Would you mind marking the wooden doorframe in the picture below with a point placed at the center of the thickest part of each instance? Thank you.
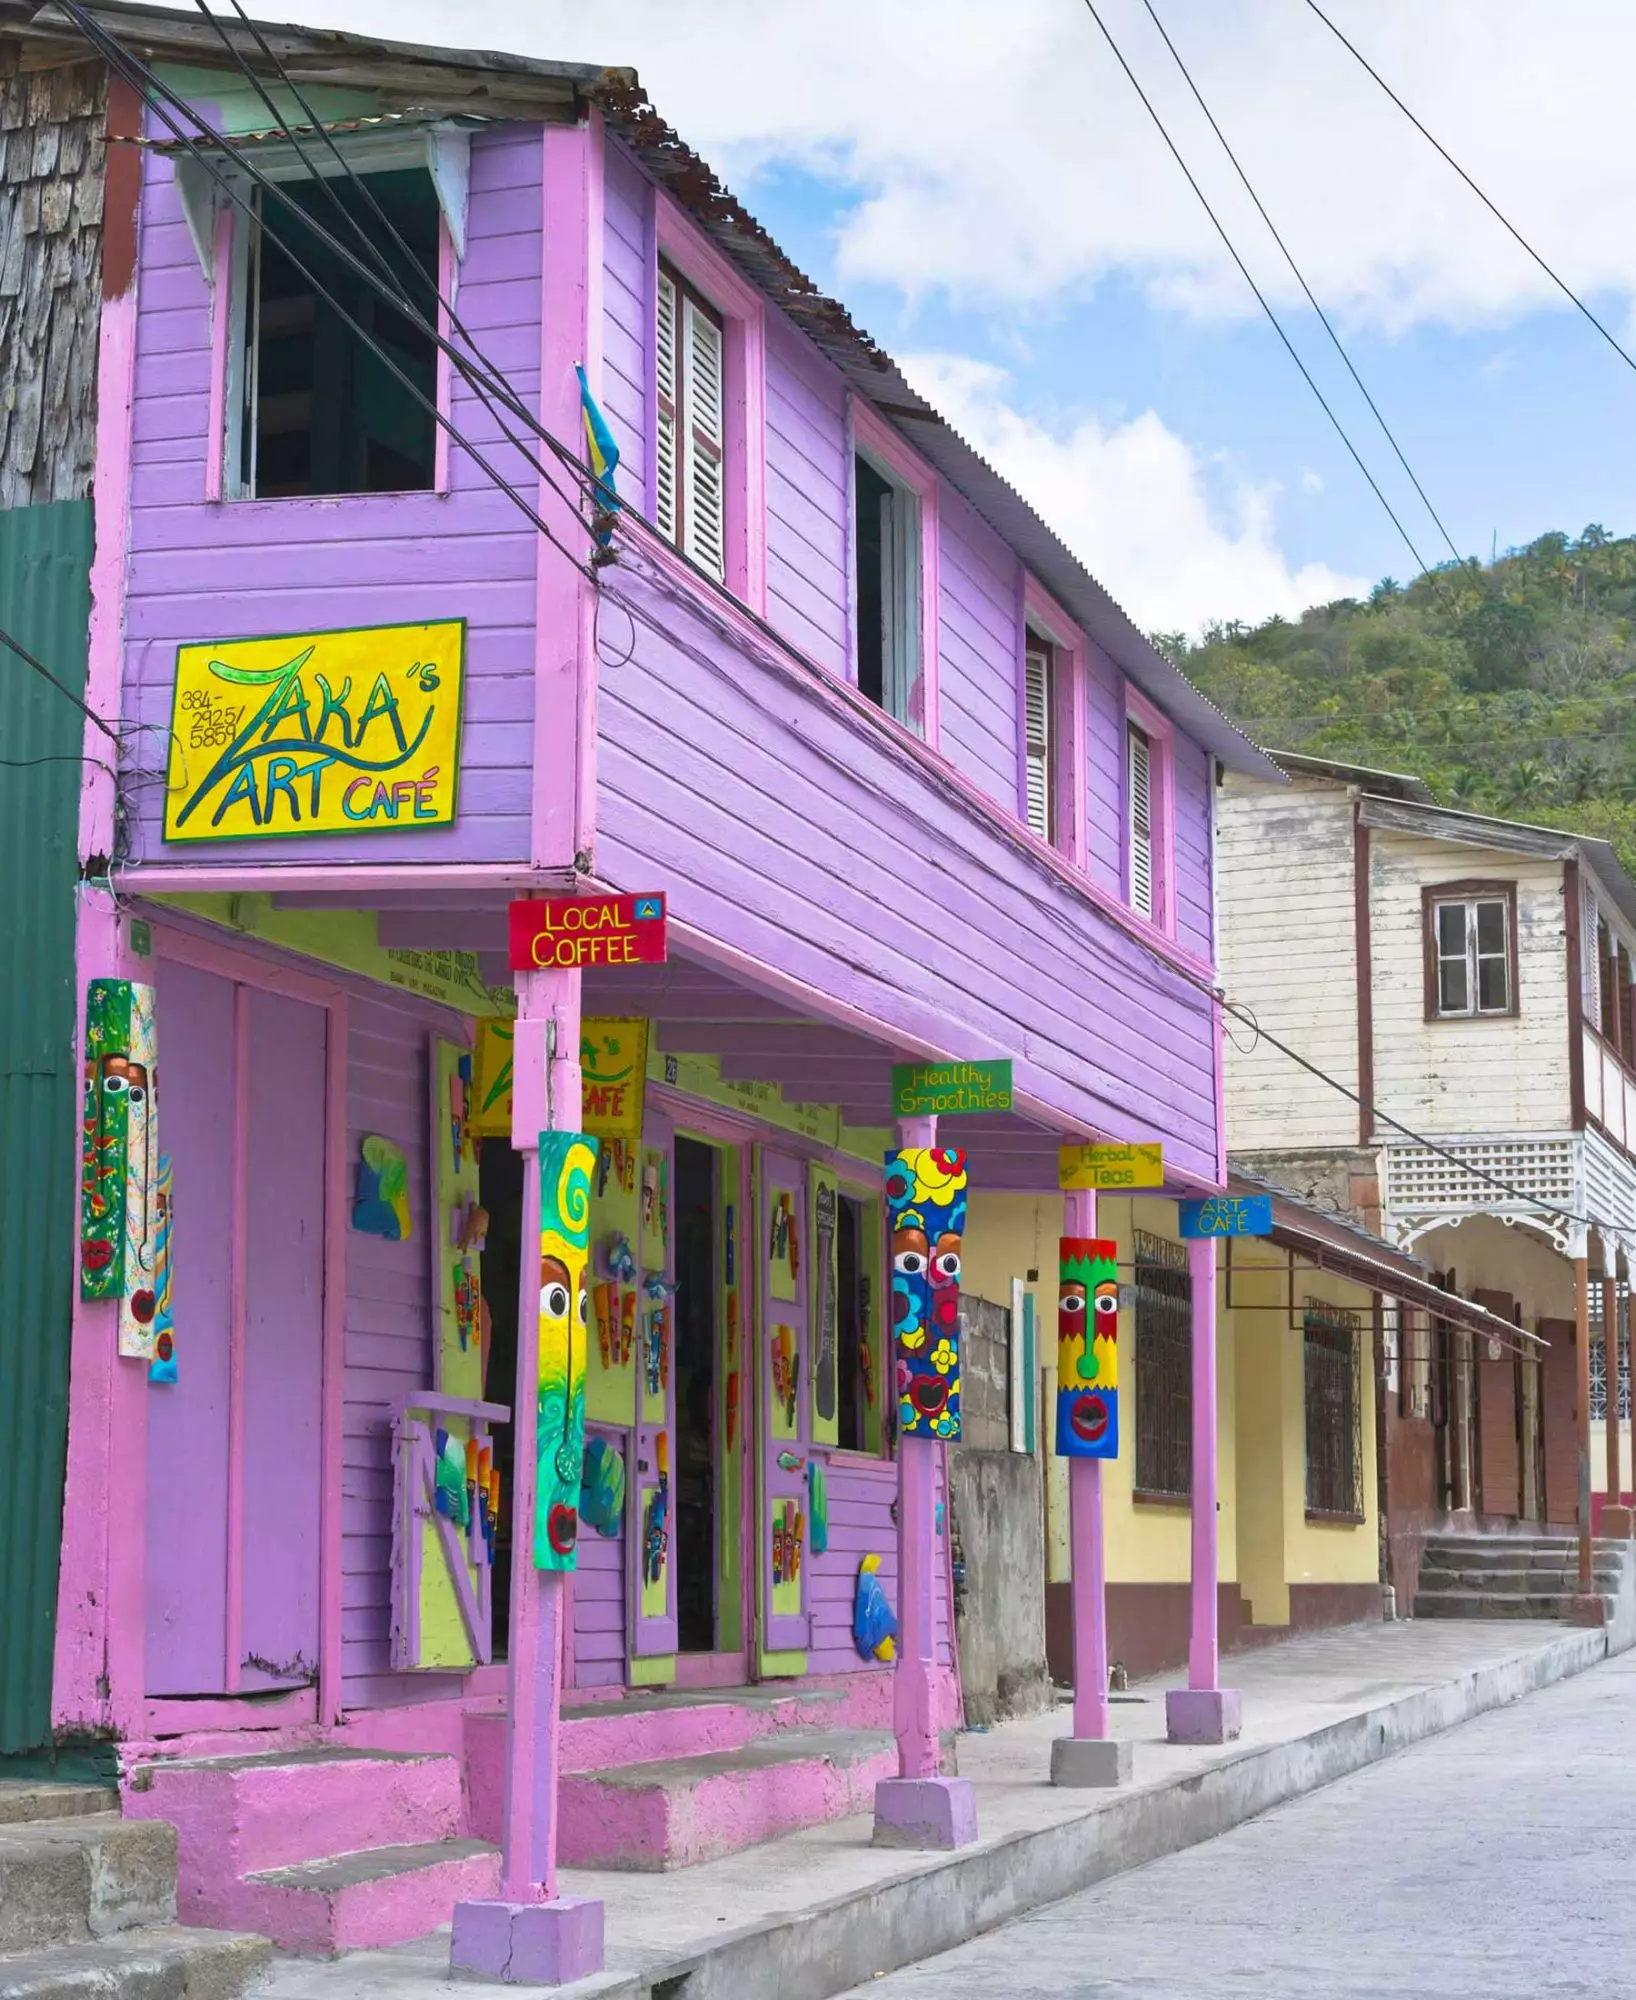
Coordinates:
(245, 970)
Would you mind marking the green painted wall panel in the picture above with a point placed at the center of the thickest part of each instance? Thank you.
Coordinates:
(45, 555)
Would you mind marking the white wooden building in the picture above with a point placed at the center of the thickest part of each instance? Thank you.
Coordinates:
(1469, 981)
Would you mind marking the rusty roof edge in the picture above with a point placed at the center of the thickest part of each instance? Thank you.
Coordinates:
(873, 372)
(179, 34)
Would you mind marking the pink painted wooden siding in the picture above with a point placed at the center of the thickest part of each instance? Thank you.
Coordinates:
(627, 322)
(978, 621)
(796, 831)
(201, 571)
(600, 1642)
(861, 1492)
(809, 480)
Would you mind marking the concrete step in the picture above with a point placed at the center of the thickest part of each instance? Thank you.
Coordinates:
(241, 1821)
(1493, 1556)
(1435, 1576)
(378, 1896)
(36, 1798)
(162, 1962)
(689, 1809)
(1475, 1604)
(69, 1881)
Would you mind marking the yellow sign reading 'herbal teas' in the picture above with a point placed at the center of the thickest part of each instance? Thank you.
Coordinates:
(321, 732)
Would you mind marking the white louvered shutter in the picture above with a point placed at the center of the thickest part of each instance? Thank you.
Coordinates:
(704, 535)
(665, 382)
(1037, 727)
(1141, 823)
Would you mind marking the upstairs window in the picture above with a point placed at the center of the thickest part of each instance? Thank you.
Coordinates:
(886, 557)
(1039, 745)
(320, 409)
(1140, 816)
(690, 481)
(1471, 965)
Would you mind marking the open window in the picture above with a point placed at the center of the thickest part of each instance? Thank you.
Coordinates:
(887, 563)
(318, 408)
(690, 482)
(1039, 736)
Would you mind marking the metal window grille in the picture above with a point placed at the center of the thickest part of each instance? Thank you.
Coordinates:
(1164, 1368)
(1599, 1358)
(1334, 1411)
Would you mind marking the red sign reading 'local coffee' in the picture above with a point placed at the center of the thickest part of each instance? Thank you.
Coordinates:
(563, 932)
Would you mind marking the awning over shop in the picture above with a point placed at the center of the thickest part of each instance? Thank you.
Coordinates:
(1330, 1243)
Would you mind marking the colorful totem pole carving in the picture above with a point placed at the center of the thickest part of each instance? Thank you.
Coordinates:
(567, 1161)
(119, 1172)
(926, 1205)
(1088, 1349)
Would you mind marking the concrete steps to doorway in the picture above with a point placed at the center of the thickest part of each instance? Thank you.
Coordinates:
(88, 1907)
(321, 1850)
(665, 1779)
(1514, 1576)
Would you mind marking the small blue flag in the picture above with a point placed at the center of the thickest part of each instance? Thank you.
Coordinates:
(601, 452)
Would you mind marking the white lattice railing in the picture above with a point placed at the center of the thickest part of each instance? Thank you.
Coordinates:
(1561, 1184)
(1537, 1180)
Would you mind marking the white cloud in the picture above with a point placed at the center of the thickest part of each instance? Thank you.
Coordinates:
(1312, 482)
(997, 153)
(1131, 501)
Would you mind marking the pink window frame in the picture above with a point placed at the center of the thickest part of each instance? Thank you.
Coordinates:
(1040, 612)
(871, 434)
(1161, 736)
(224, 318)
(678, 242)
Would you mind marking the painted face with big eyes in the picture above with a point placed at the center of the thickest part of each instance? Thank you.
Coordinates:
(1073, 1348)
(911, 1253)
(563, 1319)
(946, 1261)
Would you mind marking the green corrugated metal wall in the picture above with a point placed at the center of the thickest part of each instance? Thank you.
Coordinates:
(45, 599)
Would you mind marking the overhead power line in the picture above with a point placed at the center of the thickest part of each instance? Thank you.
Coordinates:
(1289, 258)
(16, 646)
(1503, 220)
(1260, 296)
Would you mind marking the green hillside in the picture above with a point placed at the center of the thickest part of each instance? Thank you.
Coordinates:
(1508, 686)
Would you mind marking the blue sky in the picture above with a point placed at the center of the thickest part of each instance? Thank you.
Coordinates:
(979, 183)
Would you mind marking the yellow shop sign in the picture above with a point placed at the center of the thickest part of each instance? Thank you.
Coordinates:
(320, 732)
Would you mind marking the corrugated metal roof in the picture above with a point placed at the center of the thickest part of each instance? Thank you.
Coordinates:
(45, 602)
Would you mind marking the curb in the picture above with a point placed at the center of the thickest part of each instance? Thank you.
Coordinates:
(816, 1953)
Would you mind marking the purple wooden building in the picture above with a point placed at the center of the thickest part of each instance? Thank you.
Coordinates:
(914, 788)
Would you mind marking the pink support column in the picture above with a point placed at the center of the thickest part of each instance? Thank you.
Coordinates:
(1202, 1712)
(530, 1934)
(1089, 1757)
(919, 1808)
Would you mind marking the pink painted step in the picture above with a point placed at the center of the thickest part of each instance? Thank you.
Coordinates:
(690, 1809)
(641, 1729)
(321, 1849)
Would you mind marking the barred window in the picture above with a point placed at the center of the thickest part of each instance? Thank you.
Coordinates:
(1331, 1352)
(1163, 1372)
(1599, 1357)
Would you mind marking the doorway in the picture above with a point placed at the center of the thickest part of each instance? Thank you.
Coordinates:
(698, 1229)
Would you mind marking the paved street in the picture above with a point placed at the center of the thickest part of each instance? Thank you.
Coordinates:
(1496, 1860)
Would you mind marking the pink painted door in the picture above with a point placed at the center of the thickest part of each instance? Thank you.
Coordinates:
(651, 1480)
(783, 1405)
(234, 1455)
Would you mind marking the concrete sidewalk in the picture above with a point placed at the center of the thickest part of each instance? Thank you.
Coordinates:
(810, 1915)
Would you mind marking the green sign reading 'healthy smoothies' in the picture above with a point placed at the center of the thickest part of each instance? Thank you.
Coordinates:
(919, 1092)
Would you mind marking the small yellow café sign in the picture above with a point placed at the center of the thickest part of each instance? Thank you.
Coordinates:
(319, 732)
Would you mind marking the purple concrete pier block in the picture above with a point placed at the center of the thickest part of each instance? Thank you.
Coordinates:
(1204, 1715)
(925, 1812)
(528, 1944)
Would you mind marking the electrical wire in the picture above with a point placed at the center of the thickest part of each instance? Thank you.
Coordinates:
(1260, 296)
(16, 646)
(1505, 223)
(1300, 279)
(146, 83)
